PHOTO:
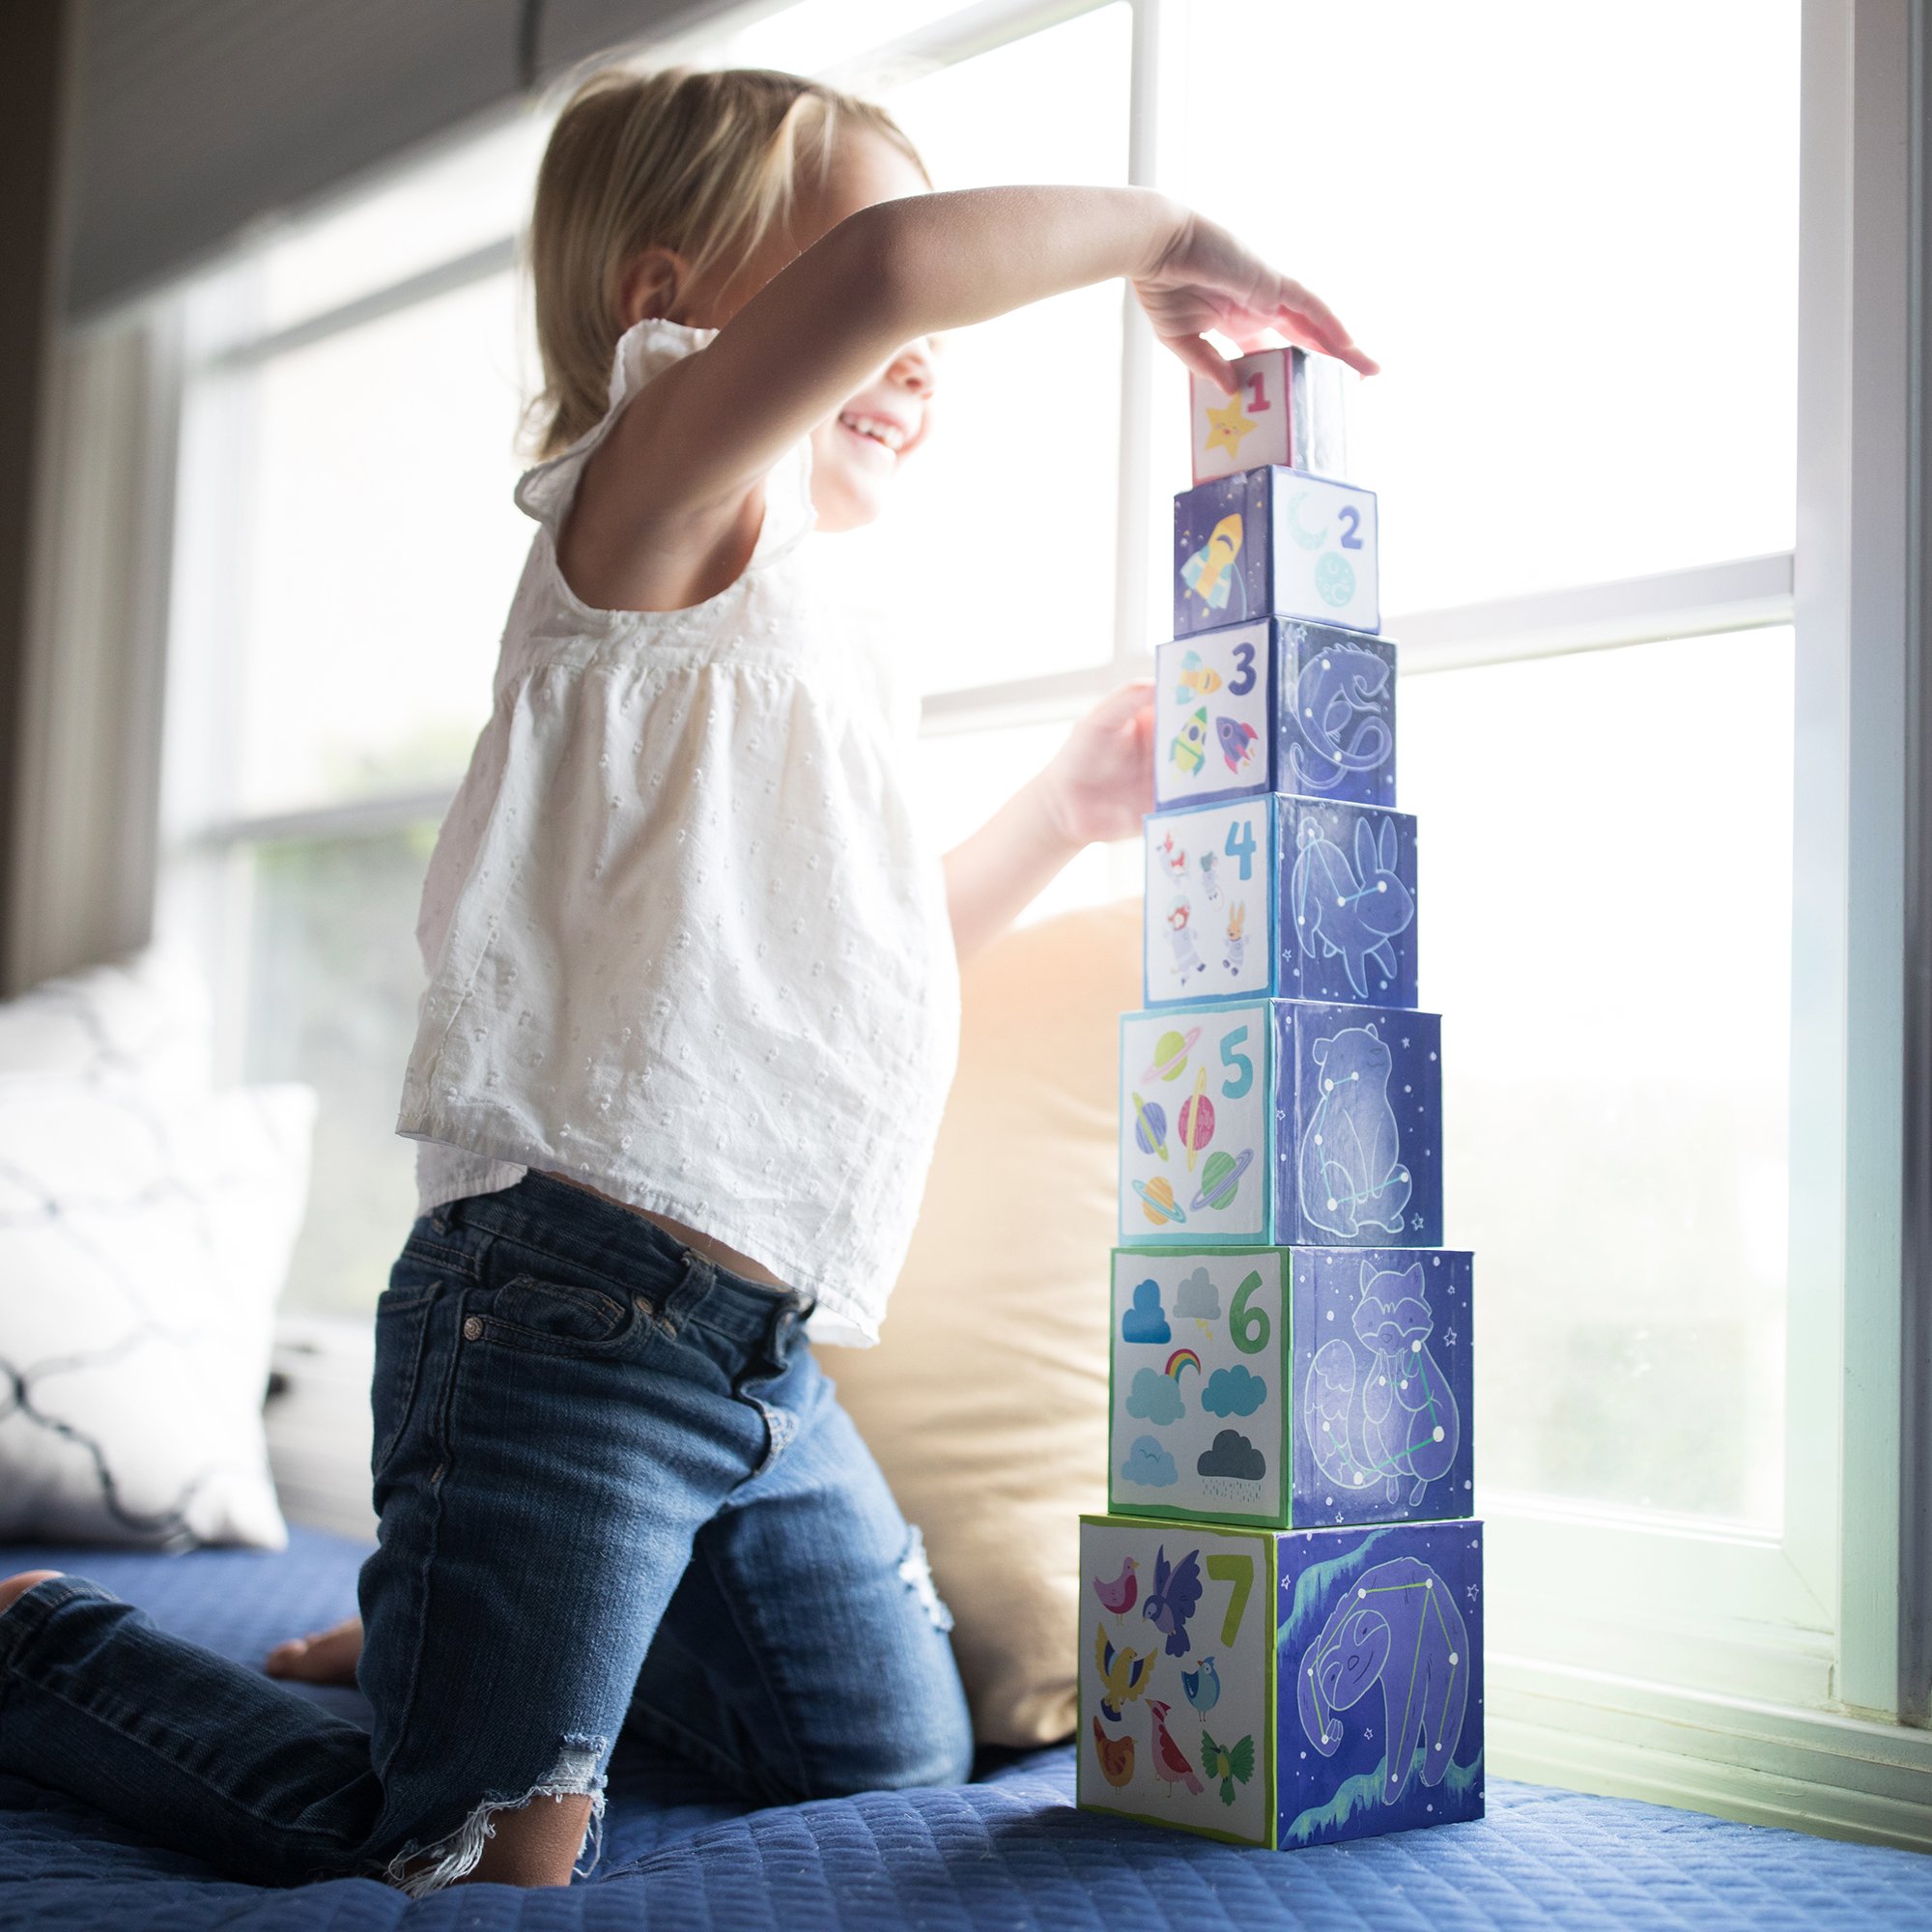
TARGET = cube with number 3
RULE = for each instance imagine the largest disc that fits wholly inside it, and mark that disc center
(1284, 1122)
(1281, 1687)
(1286, 895)
(1281, 406)
(1275, 543)
(1275, 706)
(1291, 1388)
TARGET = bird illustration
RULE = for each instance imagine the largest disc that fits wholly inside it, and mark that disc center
(1124, 1673)
(1117, 1598)
(1203, 1686)
(1176, 1592)
(1169, 1762)
(1116, 1755)
(1231, 1767)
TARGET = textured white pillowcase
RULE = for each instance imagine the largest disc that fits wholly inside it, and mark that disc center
(145, 1231)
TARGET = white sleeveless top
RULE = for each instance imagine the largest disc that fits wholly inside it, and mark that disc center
(682, 940)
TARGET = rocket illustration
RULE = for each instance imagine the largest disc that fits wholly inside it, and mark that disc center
(1207, 571)
(1196, 680)
(1237, 741)
(1188, 748)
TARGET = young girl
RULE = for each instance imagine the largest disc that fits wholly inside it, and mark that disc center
(690, 1020)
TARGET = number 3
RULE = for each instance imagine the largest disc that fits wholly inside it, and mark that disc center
(1243, 681)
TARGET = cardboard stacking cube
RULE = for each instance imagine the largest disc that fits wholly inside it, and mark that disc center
(1275, 706)
(1281, 406)
(1281, 1687)
(1278, 543)
(1291, 1388)
(1281, 1122)
(1285, 895)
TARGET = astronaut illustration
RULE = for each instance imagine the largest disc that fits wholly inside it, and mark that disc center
(1173, 857)
(1186, 954)
(1209, 883)
(1238, 940)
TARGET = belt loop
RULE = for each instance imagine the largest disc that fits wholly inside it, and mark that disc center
(689, 1296)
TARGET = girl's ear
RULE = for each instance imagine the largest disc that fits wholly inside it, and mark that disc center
(653, 284)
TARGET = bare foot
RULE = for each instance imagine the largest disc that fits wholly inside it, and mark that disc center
(328, 1656)
(18, 1584)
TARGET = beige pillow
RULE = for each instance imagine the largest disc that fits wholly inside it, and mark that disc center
(986, 1401)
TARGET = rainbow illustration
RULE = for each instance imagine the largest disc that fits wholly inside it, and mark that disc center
(1182, 1358)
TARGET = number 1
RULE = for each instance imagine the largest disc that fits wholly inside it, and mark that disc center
(1258, 401)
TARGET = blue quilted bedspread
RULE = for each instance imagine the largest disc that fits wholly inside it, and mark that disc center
(1008, 1851)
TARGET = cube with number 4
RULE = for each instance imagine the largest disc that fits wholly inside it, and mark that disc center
(1291, 1388)
(1281, 1687)
(1281, 406)
(1302, 708)
(1286, 895)
(1274, 543)
(1285, 1122)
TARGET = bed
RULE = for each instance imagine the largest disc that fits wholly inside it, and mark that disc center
(1006, 1851)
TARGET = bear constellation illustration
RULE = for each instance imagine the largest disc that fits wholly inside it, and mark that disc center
(1353, 911)
(1343, 687)
(1400, 1627)
(1383, 1410)
(1350, 1159)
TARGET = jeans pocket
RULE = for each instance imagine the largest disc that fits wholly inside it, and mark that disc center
(402, 1337)
(561, 1318)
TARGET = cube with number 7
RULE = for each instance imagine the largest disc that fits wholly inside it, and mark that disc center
(1281, 406)
(1281, 1687)
(1283, 1123)
(1291, 1388)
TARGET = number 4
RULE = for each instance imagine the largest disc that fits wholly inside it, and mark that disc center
(1238, 1571)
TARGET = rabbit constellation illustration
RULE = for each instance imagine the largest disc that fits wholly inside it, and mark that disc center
(1343, 688)
(1382, 1409)
(1353, 911)
(1350, 1157)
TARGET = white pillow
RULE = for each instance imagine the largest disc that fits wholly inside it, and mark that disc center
(144, 1018)
(144, 1238)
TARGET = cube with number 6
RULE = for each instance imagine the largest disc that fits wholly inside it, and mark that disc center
(1291, 1388)
(1275, 543)
(1275, 706)
(1288, 896)
(1281, 1687)
(1281, 1122)
(1281, 406)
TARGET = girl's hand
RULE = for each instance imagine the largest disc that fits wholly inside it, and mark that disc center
(1100, 785)
(328, 1657)
(1205, 279)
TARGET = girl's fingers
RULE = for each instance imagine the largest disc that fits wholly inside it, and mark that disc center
(1203, 358)
(1123, 702)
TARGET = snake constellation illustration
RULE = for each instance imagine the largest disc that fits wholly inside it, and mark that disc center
(1352, 911)
(1397, 1626)
(1341, 700)
(1350, 1159)
(1385, 1411)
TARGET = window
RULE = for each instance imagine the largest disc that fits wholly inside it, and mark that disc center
(1589, 452)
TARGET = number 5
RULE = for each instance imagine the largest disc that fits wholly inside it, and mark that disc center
(1234, 1089)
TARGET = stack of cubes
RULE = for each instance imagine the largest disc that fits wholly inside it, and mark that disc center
(1281, 1613)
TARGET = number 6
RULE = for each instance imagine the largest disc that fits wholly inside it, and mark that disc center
(1249, 1326)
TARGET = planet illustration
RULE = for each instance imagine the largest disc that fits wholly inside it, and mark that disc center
(1334, 579)
(1150, 1126)
(1157, 1198)
(1197, 1122)
(1170, 1055)
(1220, 1176)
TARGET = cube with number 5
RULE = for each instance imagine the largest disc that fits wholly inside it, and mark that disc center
(1281, 406)
(1285, 1122)
(1281, 1687)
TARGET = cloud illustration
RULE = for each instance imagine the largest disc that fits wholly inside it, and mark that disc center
(1196, 1297)
(1234, 1392)
(1232, 1454)
(1154, 1398)
(1144, 1321)
(1149, 1465)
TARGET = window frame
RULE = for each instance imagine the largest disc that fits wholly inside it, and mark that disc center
(1759, 1675)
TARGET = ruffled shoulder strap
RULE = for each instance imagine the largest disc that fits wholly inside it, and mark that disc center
(646, 350)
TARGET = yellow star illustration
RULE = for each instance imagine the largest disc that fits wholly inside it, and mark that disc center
(1228, 425)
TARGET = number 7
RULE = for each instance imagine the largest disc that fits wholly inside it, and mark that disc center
(1238, 1571)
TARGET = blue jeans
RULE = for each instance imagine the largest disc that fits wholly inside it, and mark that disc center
(614, 1487)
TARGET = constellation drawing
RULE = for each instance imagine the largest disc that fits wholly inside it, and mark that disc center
(1350, 1159)
(1352, 911)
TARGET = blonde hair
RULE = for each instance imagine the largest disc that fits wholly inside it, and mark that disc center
(704, 164)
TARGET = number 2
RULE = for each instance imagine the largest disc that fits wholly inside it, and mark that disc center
(1233, 1090)
(1350, 519)
(1238, 1571)
(1243, 681)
